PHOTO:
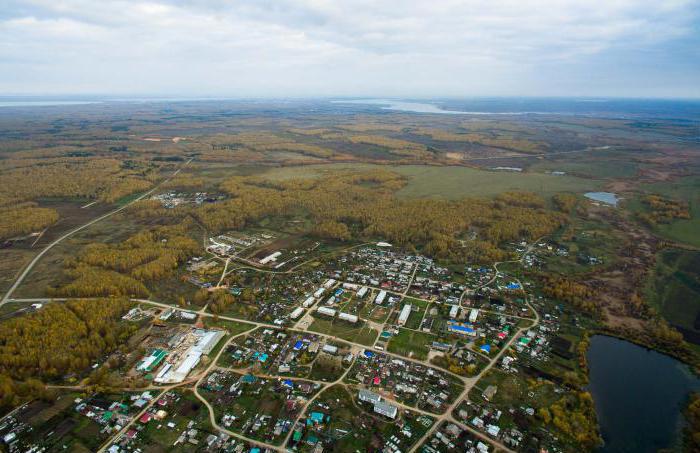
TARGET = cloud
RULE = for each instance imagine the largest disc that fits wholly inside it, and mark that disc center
(307, 47)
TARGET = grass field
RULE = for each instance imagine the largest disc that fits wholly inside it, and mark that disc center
(687, 189)
(590, 168)
(416, 317)
(411, 343)
(454, 182)
(675, 290)
(357, 334)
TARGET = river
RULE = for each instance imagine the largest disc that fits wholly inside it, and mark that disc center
(639, 395)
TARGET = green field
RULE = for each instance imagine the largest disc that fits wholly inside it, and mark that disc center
(687, 189)
(454, 182)
(411, 343)
(414, 320)
(675, 289)
(590, 168)
(357, 334)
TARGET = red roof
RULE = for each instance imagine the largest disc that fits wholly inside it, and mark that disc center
(145, 418)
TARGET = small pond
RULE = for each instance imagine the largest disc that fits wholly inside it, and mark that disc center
(603, 197)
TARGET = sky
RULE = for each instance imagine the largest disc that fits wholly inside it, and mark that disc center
(353, 48)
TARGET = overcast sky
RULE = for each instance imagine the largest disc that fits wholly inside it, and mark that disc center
(252, 48)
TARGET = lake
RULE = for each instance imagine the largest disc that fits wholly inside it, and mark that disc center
(603, 197)
(639, 395)
(43, 103)
(403, 106)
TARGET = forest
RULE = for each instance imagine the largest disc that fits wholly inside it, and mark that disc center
(58, 340)
(362, 206)
(122, 269)
(25, 219)
(101, 179)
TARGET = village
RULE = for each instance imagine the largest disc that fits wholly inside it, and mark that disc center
(419, 352)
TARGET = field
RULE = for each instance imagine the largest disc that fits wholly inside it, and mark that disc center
(586, 167)
(411, 343)
(675, 291)
(358, 334)
(455, 182)
(686, 189)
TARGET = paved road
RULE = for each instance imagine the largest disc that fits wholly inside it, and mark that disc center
(36, 259)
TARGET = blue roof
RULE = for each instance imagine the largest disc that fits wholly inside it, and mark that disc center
(460, 328)
(486, 348)
(298, 345)
(254, 450)
(288, 383)
(369, 354)
(262, 357)
(513, 286)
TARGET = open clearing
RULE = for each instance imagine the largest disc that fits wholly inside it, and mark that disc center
(454, 182)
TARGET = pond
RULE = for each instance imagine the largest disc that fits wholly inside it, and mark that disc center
(603, 197)
(639, 395)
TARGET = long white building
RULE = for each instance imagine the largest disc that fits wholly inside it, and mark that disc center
(405, 313)
(380, 297)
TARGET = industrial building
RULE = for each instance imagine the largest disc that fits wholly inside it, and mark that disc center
(201, 342)
(270, 258)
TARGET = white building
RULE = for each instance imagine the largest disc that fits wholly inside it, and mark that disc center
(326, 311)
(473, 314)
(454, 311)
(330, 349)
(348, 317)
(362, 292)
(269, 258)
(405, 313)
(369, 397)
(386, 409)
(309, 302)
(296, 313)
(380, 297)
